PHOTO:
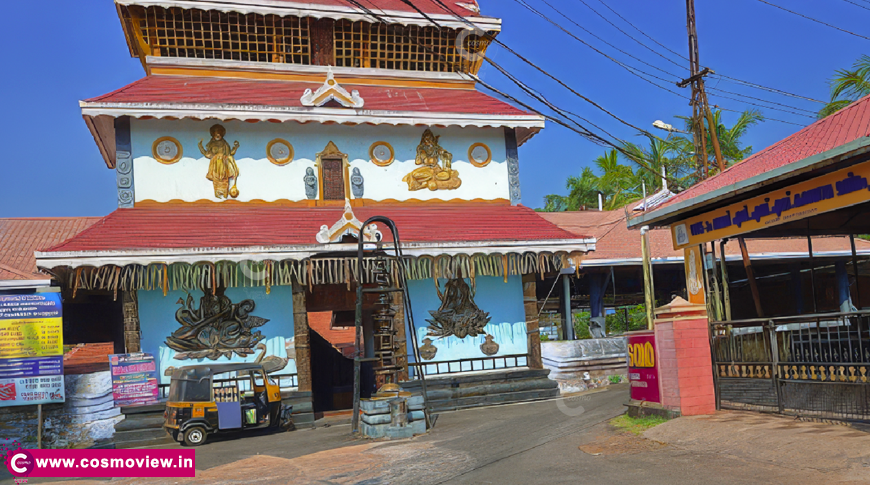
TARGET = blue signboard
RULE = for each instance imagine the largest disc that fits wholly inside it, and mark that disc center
(31, 346)
(39, 366)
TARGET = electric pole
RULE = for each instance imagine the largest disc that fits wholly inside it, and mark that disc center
(700, 105)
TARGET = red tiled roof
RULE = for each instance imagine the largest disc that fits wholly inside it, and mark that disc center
(19, 238)
(161, 89)
(615, 241)
(207, 224)
(341, 339)
(842, 127)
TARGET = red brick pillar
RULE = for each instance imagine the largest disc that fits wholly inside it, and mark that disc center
(685, 365)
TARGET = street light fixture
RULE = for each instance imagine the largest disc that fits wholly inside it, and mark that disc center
(669, 128)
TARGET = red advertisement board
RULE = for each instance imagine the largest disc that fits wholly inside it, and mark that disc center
(643, 371)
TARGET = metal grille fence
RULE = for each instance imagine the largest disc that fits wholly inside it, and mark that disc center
(817, 365)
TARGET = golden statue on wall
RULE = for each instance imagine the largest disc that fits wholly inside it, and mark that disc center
(222, 163)
(436, 172)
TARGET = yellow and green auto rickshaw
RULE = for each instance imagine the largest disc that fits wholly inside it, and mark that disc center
(221, 398)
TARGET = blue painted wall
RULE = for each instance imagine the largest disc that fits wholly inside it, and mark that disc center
(503, 301)
(157, 321)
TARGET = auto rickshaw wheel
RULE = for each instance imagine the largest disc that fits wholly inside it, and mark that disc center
(195, 436)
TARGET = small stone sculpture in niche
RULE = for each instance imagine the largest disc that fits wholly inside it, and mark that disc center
(427, 350)
(222, 166)
(356, 183)
(489, 347)
(458, 314)
(218, 328)
(436, 172)
(310, 183)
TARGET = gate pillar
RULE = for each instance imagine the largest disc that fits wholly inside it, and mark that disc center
(684, 360)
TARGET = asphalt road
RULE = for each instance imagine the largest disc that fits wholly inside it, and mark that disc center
(561, 441)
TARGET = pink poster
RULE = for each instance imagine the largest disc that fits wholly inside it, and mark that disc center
(643, 372)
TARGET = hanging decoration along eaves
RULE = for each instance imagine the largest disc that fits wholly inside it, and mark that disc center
(308, 272)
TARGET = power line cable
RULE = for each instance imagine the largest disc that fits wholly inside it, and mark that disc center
(641, 31)
(812, 114)
(628, 35)
(765, 88)
(814, 20)
(608, 43)
(762, 106)
(857, 4)
(585, 131)
(629, 68)
(748, 83)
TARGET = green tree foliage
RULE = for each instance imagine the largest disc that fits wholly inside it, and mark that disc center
(621, 177)
(848, 85)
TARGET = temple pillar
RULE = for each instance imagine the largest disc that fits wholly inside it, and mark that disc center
(132, 332)
(533, 335)
(302, 338)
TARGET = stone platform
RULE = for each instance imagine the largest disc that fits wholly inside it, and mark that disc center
(578, 365)
(486, 388)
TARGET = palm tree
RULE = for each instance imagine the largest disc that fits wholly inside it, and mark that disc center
(848, 86)
(730, 139)
(582, 193)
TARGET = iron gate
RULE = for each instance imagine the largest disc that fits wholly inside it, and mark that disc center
(808, 365)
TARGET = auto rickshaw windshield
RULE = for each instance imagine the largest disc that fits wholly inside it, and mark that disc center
(190, 385)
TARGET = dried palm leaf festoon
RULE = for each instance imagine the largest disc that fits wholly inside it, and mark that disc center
(307, 272)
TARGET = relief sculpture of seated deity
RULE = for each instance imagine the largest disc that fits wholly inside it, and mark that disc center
(436, 172)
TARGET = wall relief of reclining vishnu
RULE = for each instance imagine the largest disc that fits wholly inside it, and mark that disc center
(218, 328)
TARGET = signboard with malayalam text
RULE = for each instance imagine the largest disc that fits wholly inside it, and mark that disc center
(833, 191)
(31, 349)
(643, 372)
(134, 379)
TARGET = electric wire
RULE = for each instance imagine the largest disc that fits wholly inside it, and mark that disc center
(629, 35)
(813, 113)
(632, 69)
(857, 4)
(608, 43)
(814, 20)
(747, 83)
(642, 32)
(583, 131)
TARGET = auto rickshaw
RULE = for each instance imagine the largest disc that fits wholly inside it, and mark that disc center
(220, 398)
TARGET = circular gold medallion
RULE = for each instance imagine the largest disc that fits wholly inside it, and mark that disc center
(479, 155)
(166, 150)
(279, 152)
(381, 153)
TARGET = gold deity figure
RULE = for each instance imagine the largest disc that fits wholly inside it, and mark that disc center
(436, 172)
(222, 163)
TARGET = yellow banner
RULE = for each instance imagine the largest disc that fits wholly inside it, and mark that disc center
(816, 196)
(33, 337)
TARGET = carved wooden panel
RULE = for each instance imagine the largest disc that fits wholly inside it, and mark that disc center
(322, 46)
(333, 179)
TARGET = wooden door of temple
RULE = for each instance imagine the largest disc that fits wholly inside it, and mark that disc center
(333, 179)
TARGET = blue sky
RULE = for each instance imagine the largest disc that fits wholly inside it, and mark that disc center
(59, 52)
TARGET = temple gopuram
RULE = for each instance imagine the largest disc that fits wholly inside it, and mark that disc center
(262, 135)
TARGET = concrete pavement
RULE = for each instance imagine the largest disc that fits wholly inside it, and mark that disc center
(562, 441)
